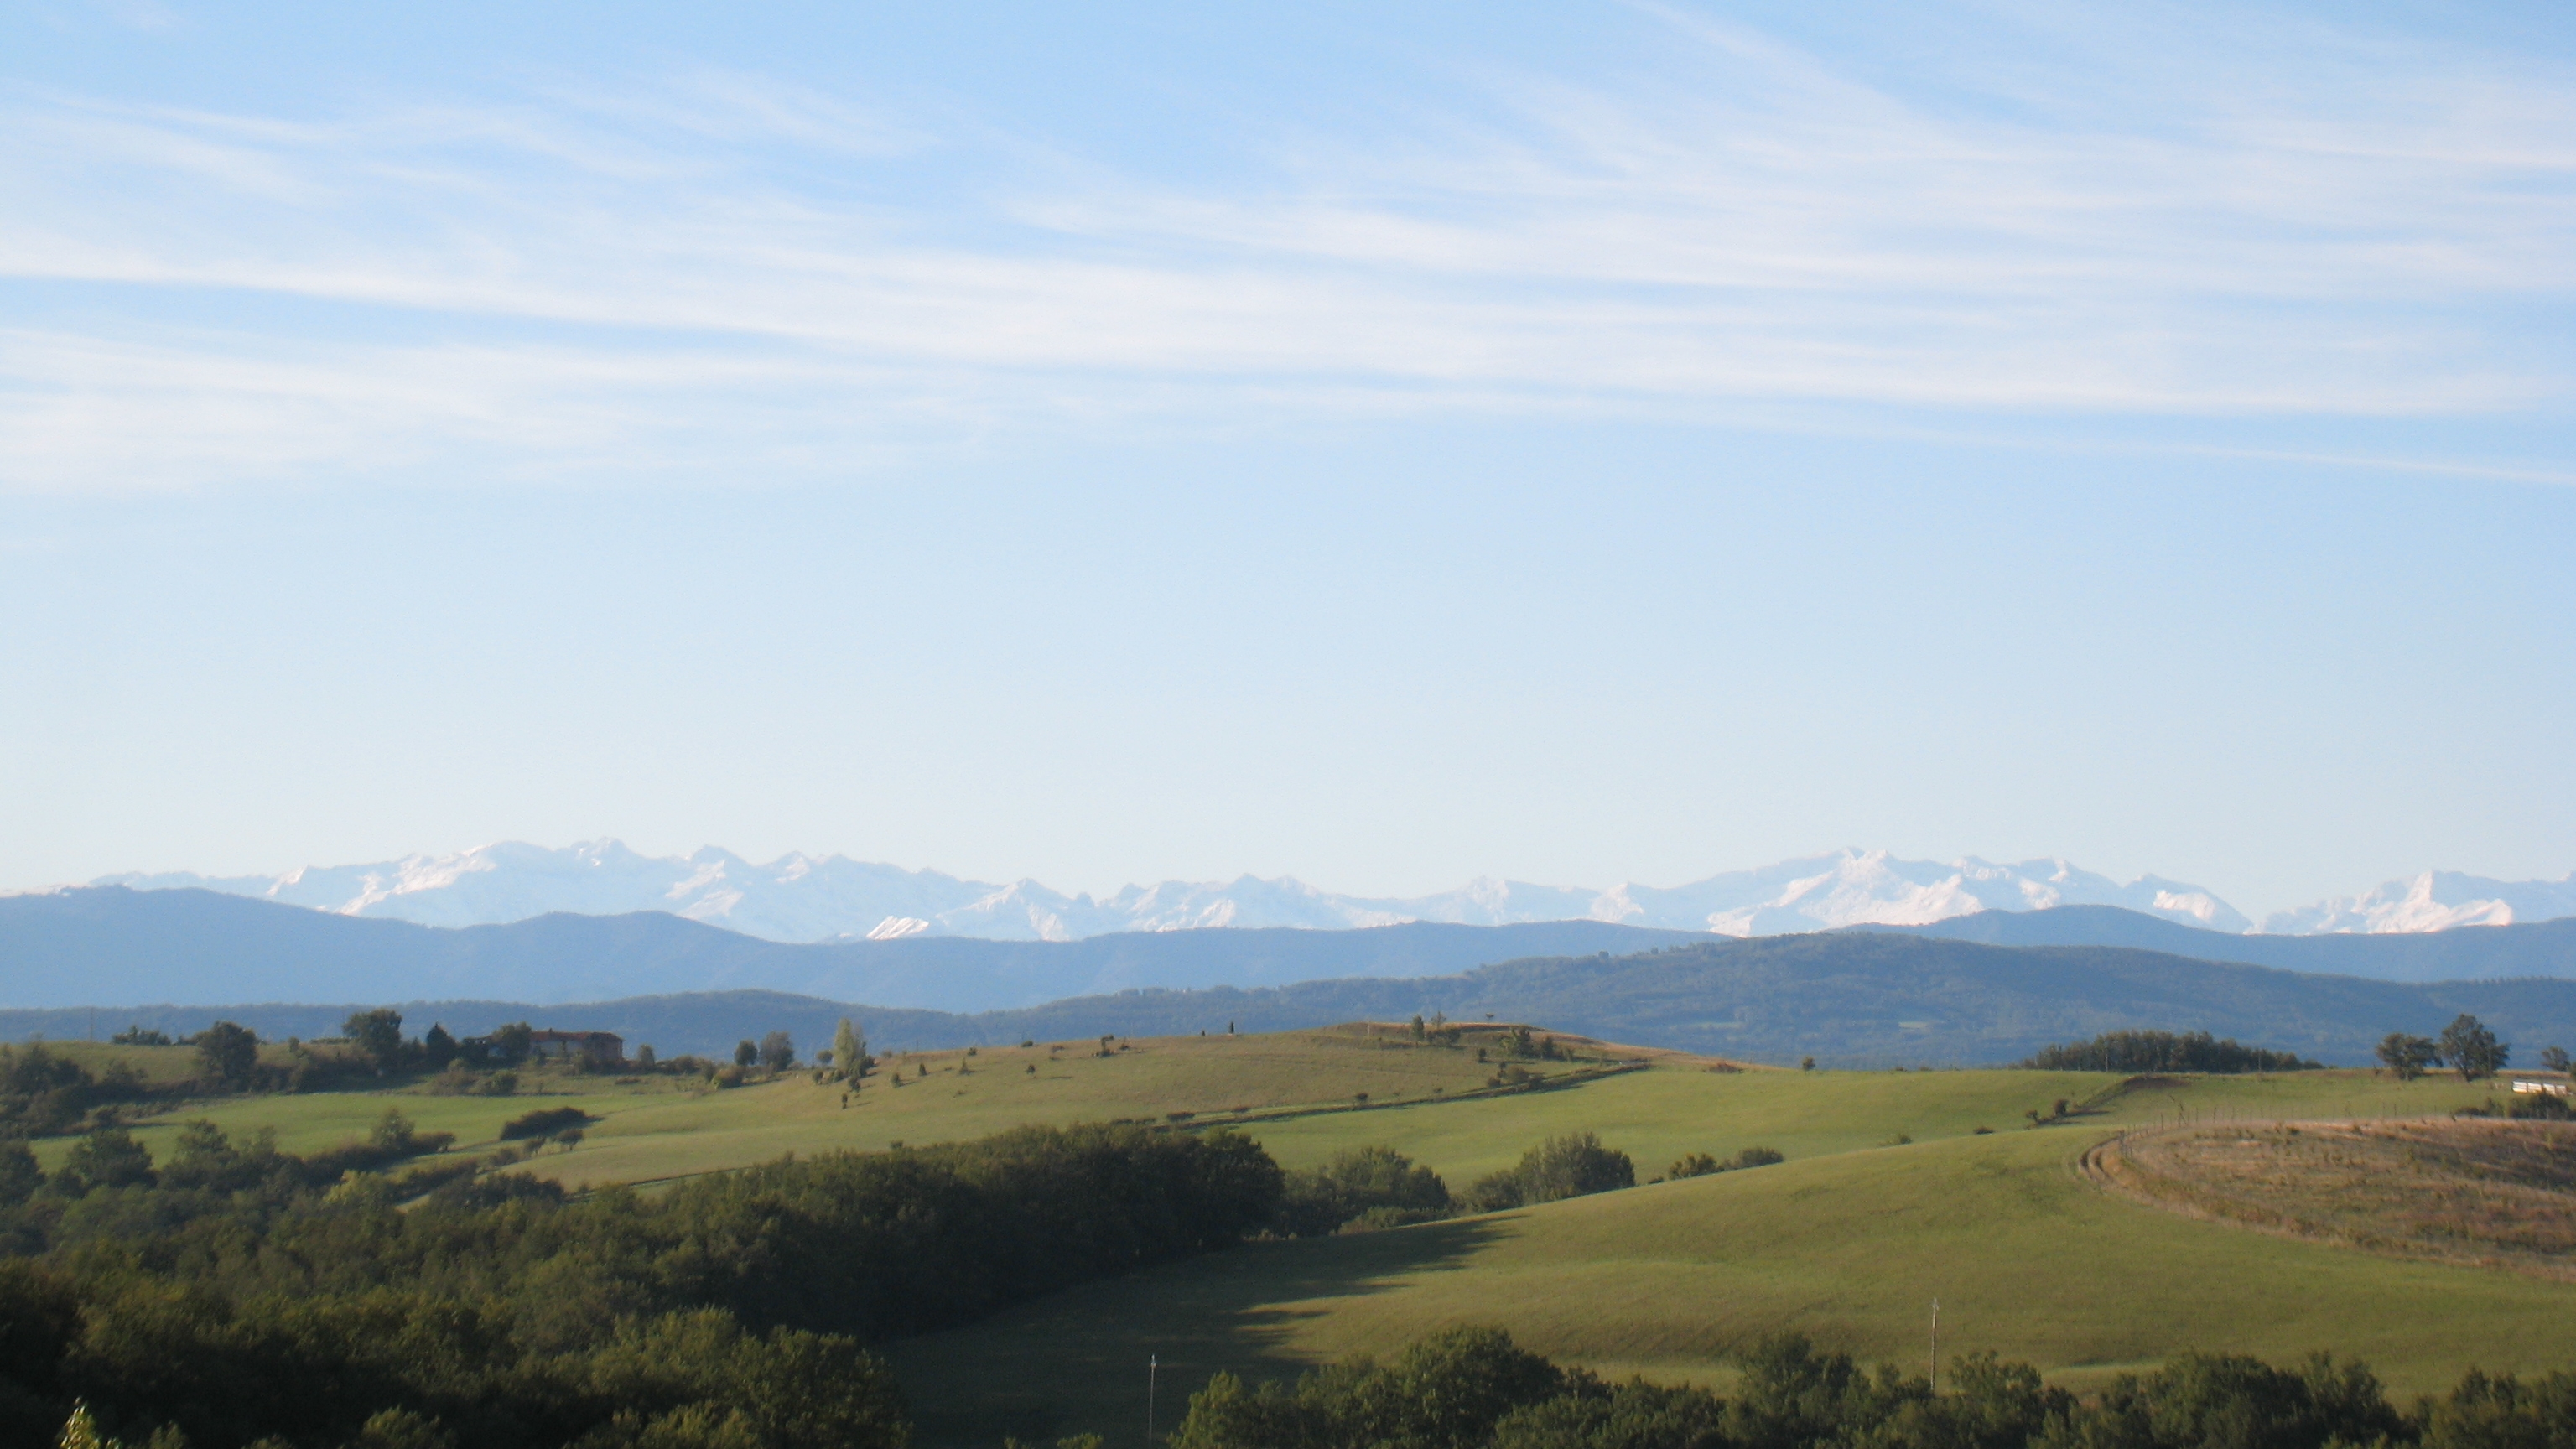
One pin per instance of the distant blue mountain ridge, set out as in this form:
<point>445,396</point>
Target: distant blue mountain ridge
<point>1978,988</point>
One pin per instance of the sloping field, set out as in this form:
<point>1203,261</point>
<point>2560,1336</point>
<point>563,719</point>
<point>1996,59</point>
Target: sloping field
<point>2027,1259</point>
<point>1193,1079</point>
<point>1680,1106</point>
<point>654,1128</point>
<point>2481,1191</point>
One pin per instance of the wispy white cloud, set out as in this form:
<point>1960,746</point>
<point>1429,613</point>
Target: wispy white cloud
<point>720,259</point>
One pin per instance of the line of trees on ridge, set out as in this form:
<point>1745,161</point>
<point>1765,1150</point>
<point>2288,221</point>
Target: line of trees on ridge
<point>2165,1051</point>
<point>1473,1388</point>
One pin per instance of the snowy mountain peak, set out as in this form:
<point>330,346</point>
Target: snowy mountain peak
<point>800,897</point>
<point>2437,900</point>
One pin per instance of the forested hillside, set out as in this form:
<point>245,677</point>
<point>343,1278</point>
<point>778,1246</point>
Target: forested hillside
<point>232,1292</point>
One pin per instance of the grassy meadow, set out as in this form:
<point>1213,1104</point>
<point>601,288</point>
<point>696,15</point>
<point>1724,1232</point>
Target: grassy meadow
<point>1851,1248</point>
<point>655,1128</point>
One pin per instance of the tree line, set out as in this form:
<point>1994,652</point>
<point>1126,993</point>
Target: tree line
<point>236,1295</point>
<point>1368,1188</point>
<point>1473,1388</point>
<point>2165,1051</point>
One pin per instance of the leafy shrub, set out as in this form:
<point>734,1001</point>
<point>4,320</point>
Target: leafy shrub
<point>1355,1184</point>
<point>2538,1106</point>
<point>42,1094</point>
<point>1700,1164</point>
<point>1561,1167</point>
<point>544,1122</point>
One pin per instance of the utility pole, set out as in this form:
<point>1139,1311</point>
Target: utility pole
<point>1153,1367</point>
<point>1936,1345</point>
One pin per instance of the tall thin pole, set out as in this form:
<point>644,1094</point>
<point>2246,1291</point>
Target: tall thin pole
<point>1936,1345</point>
<point>1153,1367</point>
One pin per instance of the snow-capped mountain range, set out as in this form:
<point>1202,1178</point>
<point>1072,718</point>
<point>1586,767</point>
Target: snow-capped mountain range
<point>823,898</point>
<point>2437,900</point>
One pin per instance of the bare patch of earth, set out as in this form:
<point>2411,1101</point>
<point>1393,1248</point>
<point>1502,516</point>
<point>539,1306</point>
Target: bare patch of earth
<point>2495,1193</point>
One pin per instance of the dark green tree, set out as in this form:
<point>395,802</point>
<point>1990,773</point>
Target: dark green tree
<point>778,1051</point>
<point>2503,1412</point>
<point>108,1157</point>
<point>745,1053</point>
<point>2471,1049</point>
<point>2407,1057</point>
<point>227,1055</point>
<point>437,1048</point>
<point>378,1035</point>
<point>511,1044</point>
<point>2553,1059</point>
<point>19,1174</point>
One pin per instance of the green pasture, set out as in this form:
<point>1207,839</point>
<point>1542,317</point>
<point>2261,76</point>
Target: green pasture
<point>656,1128</point>
<point>1851,1248</point>
<point>158,1065</point>
<point>1208,1078</point>
<point>314,1121</point>
<point>1657,1115</point>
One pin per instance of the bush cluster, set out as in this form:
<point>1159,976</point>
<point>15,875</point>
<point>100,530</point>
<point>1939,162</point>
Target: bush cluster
<point>1700,1164</point>
<point>1367,1187</point>
<point>1473,1388</point>
<point>42,1094</point>
<point>1561,1167</point>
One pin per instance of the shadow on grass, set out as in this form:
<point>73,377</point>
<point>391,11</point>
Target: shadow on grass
<point>1076,1362</point>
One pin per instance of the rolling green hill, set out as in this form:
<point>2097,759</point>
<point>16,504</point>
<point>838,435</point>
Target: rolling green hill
<point>1850,1247</point>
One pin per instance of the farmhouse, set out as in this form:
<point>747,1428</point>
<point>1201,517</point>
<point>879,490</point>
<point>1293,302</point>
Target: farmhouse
<point>605,1048</point>
<point>597,1048</point>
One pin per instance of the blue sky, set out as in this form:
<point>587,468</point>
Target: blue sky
<point>1573,443</point>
